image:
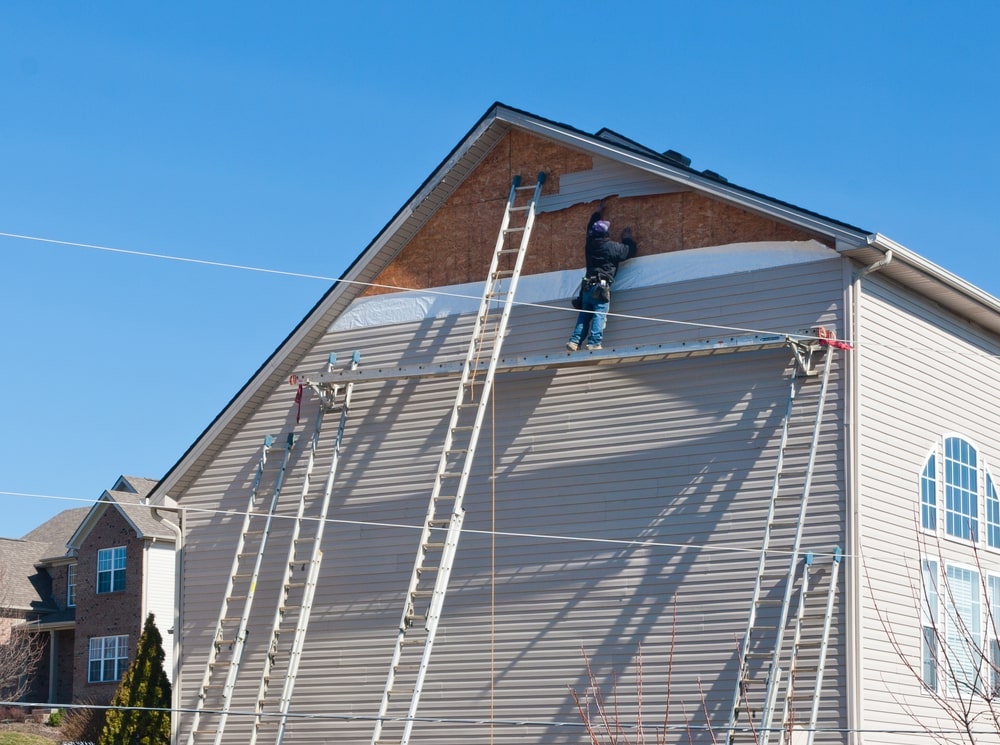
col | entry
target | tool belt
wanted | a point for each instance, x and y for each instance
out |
(600, 287)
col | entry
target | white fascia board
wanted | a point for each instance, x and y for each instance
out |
(904, 255)
(695, 181)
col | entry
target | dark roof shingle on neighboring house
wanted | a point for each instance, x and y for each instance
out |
(22, 586)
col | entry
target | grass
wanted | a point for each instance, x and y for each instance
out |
(23, 738)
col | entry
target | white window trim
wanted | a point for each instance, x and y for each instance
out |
(71, 585)
(112, 570)
(99, 644)
(983, 472)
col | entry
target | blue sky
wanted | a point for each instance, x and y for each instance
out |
(285, 136)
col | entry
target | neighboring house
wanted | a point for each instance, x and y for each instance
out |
(98, 572)
(618, 501)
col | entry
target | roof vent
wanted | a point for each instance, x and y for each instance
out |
(715, 176)
(676, 157)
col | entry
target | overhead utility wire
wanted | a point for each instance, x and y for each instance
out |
(627, 542)
(440, 293)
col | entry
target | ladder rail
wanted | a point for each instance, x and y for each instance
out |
(492, 293)
(797, 542)
(804, 589)
(239, 643)
(315, 560)
(271, 652)
(803, 356)
(228, 592)
(838, 555)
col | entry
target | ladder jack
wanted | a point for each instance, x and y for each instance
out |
(435, 555)
(761, 648)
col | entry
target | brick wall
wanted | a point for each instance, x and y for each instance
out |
(457, 243)
(105, 614)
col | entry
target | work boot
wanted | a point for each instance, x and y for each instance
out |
(572, 345)
(594, 347)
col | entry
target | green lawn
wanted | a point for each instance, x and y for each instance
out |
(22, 738)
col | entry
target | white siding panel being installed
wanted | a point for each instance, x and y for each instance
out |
(614, 512)
(924, 374)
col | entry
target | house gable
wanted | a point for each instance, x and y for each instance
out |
(456, 243)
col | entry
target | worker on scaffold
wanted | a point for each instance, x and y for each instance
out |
(603, 257)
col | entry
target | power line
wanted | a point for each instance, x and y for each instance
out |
(443, 293)
(636, 543)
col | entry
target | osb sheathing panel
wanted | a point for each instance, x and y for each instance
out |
(456, 244)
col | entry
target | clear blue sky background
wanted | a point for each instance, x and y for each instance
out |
(286, 135)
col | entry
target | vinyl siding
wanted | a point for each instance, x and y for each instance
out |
(614, 511)
(923, 374)
(159, 584)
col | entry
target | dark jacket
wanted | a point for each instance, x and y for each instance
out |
(604, 254)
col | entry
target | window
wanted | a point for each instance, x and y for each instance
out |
(992, 514)
(70, 585)
(956, 484)
(963, 632)
(961, 489)
(928, 494)
(111, 569)
(108, 658)
(992, 621)
(929, 624)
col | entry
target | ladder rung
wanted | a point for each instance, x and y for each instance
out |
(525, 208)
(433, 546)
(514, 230)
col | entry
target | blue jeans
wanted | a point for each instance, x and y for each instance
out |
(595, 313)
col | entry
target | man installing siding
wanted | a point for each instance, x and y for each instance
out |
(603, 257)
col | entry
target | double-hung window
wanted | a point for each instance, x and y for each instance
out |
(108, 658)
(963, 630)
(111, 569)
(70, 585)
(929, 624)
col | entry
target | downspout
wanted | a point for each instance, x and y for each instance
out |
(53, 666)
(856, 642)
(176, 641)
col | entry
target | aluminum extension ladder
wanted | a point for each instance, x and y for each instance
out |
(295, 599)
(443, 524)
(762, 647)
(241, 585)
(796, 669)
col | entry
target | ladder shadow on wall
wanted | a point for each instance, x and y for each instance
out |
(672, 513)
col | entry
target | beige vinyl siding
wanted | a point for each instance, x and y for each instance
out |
(621, 497)
(158, 587)
(923, 374)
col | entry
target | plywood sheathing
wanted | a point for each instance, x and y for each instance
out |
(456, 244)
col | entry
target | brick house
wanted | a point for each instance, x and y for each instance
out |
(96, 573)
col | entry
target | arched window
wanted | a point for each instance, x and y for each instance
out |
(955, 482)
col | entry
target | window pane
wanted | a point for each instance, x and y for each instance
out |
(992, 513)
(928, 495)
(929, 623)
(964, 635)
(961, 489)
